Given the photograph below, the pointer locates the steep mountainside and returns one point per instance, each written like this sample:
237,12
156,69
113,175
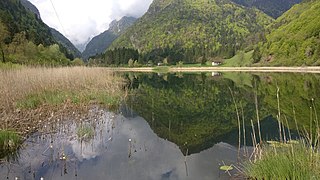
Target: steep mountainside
70,49
195,28
61,39
31,7
294,38
101,42
18,19
25,39
273,8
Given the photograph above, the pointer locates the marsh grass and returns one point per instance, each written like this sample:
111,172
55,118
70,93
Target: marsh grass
287,158
286,161
9,143
30,96
85,132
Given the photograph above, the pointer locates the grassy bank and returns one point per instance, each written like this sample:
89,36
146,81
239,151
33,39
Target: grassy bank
32,97
285,161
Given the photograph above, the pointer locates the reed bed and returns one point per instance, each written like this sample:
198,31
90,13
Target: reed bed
286,158
31,97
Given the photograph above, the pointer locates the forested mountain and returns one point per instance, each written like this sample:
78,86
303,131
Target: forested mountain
294,38
101,42
273,8
17,19
61,39
25,39
192,31
71,50
28,5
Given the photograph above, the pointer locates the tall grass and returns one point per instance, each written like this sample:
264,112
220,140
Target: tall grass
287,158
30,95
286,161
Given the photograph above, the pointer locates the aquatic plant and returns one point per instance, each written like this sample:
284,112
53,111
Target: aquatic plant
285,161
10,142
85,132
287,158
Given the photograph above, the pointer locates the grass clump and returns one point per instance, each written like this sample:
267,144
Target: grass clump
289,161
85,133
10,141
9,66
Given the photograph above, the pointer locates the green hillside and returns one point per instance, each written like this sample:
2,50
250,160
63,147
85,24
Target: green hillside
25,39
192,31
294,39
273,8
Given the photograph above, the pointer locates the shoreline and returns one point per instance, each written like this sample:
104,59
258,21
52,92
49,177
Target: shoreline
315,69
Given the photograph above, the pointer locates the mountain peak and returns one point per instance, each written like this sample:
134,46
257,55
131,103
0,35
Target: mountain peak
100,43
118,26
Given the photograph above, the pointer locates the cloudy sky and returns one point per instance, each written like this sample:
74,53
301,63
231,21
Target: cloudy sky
83,19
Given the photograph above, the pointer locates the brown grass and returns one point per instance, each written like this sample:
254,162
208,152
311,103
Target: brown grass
88,86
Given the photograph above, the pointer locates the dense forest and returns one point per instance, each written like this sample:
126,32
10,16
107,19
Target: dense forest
194,30
294,38
116,57
273,8
25,39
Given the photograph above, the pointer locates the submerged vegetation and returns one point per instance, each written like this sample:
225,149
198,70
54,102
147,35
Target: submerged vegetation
30,96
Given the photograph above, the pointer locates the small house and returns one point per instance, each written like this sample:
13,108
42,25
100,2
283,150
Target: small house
216,63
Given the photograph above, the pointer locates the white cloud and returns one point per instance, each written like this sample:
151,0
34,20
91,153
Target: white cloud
84,19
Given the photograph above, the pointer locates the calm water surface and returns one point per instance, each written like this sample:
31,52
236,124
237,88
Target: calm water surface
177,126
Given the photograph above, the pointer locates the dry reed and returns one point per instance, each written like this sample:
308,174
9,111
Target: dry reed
86,84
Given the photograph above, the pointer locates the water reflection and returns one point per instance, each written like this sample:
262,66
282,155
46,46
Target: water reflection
196,111
175,126
62,155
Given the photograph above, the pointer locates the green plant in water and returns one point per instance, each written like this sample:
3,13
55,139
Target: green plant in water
291,161
85,132
10,142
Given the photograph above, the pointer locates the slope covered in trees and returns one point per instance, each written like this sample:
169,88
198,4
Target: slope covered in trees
101,42
273,8
72,51
191,31
25,39
294,38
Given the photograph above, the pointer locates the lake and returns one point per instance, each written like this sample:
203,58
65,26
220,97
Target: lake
173,126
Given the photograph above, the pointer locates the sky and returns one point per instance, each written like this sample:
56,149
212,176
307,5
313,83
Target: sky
81,20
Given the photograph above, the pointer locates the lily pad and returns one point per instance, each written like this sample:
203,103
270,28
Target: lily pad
226,168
